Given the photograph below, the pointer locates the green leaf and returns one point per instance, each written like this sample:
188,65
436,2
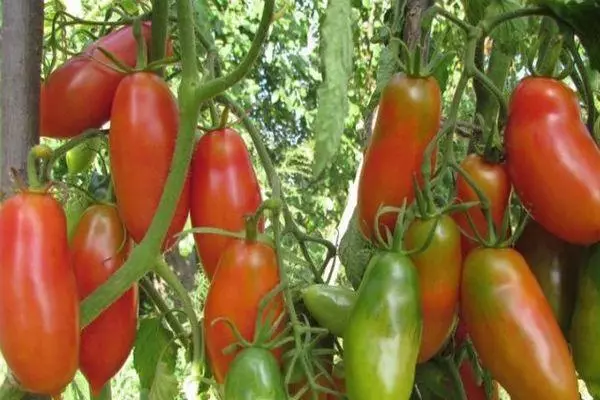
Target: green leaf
165,385
355,251
153,346
336,62
505,34
582,16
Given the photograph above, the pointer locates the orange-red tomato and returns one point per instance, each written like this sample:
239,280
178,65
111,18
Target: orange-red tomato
39,307
439,267
99,248
224,189
493,181
246,273
144,124
408,118
553,160
513,328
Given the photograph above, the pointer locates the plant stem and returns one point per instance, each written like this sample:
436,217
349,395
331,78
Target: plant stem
9,390
164,271
492,23
160,18
456,380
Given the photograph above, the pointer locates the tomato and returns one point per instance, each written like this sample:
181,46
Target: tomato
99,248
408,118
381,342
330,306
512,327
585,326
559,182
74,209
144,124
39,308
81,157
493,181
78,95
224,189
247,272
555,264
474,389
439,267
254,374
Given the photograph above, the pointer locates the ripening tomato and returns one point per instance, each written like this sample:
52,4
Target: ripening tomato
439,267
39,307
408,118
224,189
78,95
512,327
144,124
247,272
553,160
493,181
99,248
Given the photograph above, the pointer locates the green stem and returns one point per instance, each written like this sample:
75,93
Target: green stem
456,379
160,18
587,87
450,17
61,151
80,21
490,24
164,271
142,52
10,391
33,178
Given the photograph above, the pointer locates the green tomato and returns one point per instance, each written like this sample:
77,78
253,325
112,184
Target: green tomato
80,157
254,374
330,306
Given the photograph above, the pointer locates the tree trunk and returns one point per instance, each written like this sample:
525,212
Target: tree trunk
21,42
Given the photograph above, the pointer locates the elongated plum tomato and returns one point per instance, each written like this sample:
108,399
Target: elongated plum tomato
224,189
39,307
247,272
493,181
408,118
553,161
144,123
78,95
99,248
507,317
439,267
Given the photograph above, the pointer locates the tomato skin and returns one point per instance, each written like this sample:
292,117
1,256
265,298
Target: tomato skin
381,342
81,157
585,326
39,308
330,306
247,272
254,374
439,267
507,316
560,184
408,118
99,248
78,95
224,189
556,265
144,118
493,181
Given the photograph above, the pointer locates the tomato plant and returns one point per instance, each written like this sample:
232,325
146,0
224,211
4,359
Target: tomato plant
224,189
492,180
407,119
39,307
144,124
507,317
99,248
544,115
247,272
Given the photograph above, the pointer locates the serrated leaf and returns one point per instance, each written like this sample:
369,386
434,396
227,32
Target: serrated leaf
165,385
153,345
582,16
388,65
336,62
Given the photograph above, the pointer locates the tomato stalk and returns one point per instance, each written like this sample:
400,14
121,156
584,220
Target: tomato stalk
459,388
160,18
142,52
191,95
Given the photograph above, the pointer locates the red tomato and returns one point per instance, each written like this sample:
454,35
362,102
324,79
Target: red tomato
39,308
493,181
224,189
98,249
513,328
144,124
408,118
553,161
247,272
78,95
439,267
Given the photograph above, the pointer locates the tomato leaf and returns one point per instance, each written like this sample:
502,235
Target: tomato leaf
336,64
355,251
153,346
165,385
505,34
582,16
